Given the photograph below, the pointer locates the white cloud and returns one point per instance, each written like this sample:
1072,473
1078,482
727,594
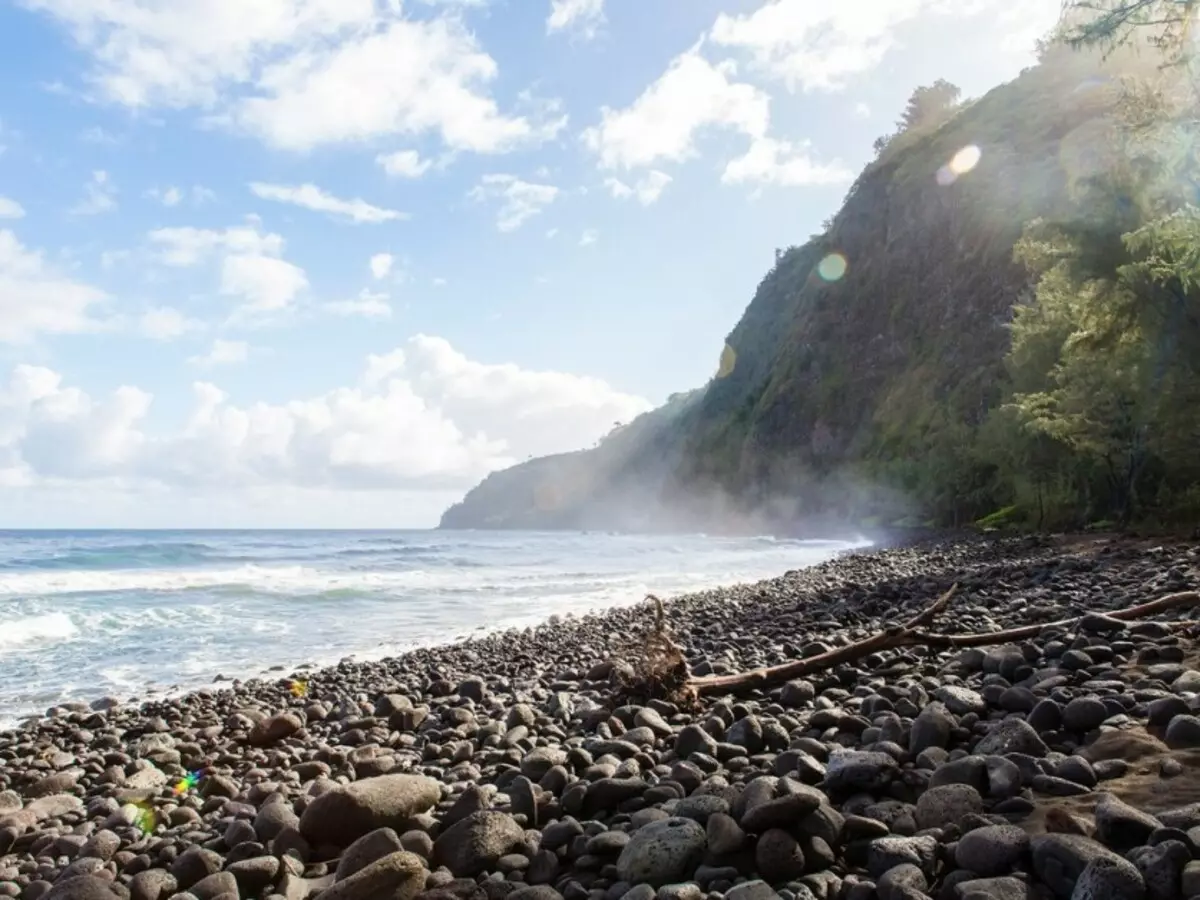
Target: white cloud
662,123
520,200
163,323
299,73
100,196
188,246
404,164
647,189
312,197
10,209
223,353
35,299
97,135
266,284
150,53
439,282
582,17
785,164
822,46
862,110
589,237
368,304
408,78
173,196
250,264
422,417
381,264
169,196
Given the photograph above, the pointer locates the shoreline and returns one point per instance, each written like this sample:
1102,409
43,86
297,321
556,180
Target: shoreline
371,649
500,767
485,642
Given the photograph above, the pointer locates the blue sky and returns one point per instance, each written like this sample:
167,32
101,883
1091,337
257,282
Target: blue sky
328,262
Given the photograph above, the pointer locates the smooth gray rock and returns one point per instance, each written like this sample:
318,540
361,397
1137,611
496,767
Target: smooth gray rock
476,843
344,814
397,876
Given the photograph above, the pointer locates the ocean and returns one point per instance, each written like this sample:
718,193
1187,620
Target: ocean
86,614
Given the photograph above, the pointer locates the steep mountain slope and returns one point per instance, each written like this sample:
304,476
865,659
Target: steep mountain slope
857,376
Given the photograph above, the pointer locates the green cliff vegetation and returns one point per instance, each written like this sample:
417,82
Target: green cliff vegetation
1001,324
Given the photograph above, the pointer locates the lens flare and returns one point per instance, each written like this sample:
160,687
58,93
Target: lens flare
960,164
146,819
832,267
186,783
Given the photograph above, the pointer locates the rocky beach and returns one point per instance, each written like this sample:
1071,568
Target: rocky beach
1065,765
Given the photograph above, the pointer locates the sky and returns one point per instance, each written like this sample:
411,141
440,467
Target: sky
327,263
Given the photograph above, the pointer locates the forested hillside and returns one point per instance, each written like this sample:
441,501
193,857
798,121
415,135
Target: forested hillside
1002,322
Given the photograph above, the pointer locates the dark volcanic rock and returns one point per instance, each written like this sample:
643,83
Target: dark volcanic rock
476,843
344,814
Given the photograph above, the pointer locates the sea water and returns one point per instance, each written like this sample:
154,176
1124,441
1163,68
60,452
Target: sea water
85,614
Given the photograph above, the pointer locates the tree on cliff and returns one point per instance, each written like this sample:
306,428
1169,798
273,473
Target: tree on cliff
1168,25
927,107
930,105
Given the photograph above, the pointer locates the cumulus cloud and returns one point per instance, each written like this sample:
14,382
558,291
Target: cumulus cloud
403,164
663,122
250,264
10,209
309,196
423,416
35,299
646,189
368,305
821,46
100,196
581,17
223,353
173,196
163,323
589,237
302,73
783,164
265,284
519,200
380,265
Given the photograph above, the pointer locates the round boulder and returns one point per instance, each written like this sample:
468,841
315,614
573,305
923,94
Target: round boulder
476,843
345,814
663,852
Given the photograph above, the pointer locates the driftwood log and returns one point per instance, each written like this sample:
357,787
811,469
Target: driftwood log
912,633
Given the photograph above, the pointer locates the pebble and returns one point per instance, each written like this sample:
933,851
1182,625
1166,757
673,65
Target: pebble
509,767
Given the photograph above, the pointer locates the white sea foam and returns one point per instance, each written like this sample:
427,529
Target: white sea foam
38,630
283,580
259,600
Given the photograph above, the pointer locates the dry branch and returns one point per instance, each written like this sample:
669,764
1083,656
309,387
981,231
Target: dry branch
912,634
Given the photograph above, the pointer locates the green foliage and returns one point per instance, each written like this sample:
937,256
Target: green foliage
927,108
1105,362
1007,517
1167,25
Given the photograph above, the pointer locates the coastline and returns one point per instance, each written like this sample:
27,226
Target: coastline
136,616
509,744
